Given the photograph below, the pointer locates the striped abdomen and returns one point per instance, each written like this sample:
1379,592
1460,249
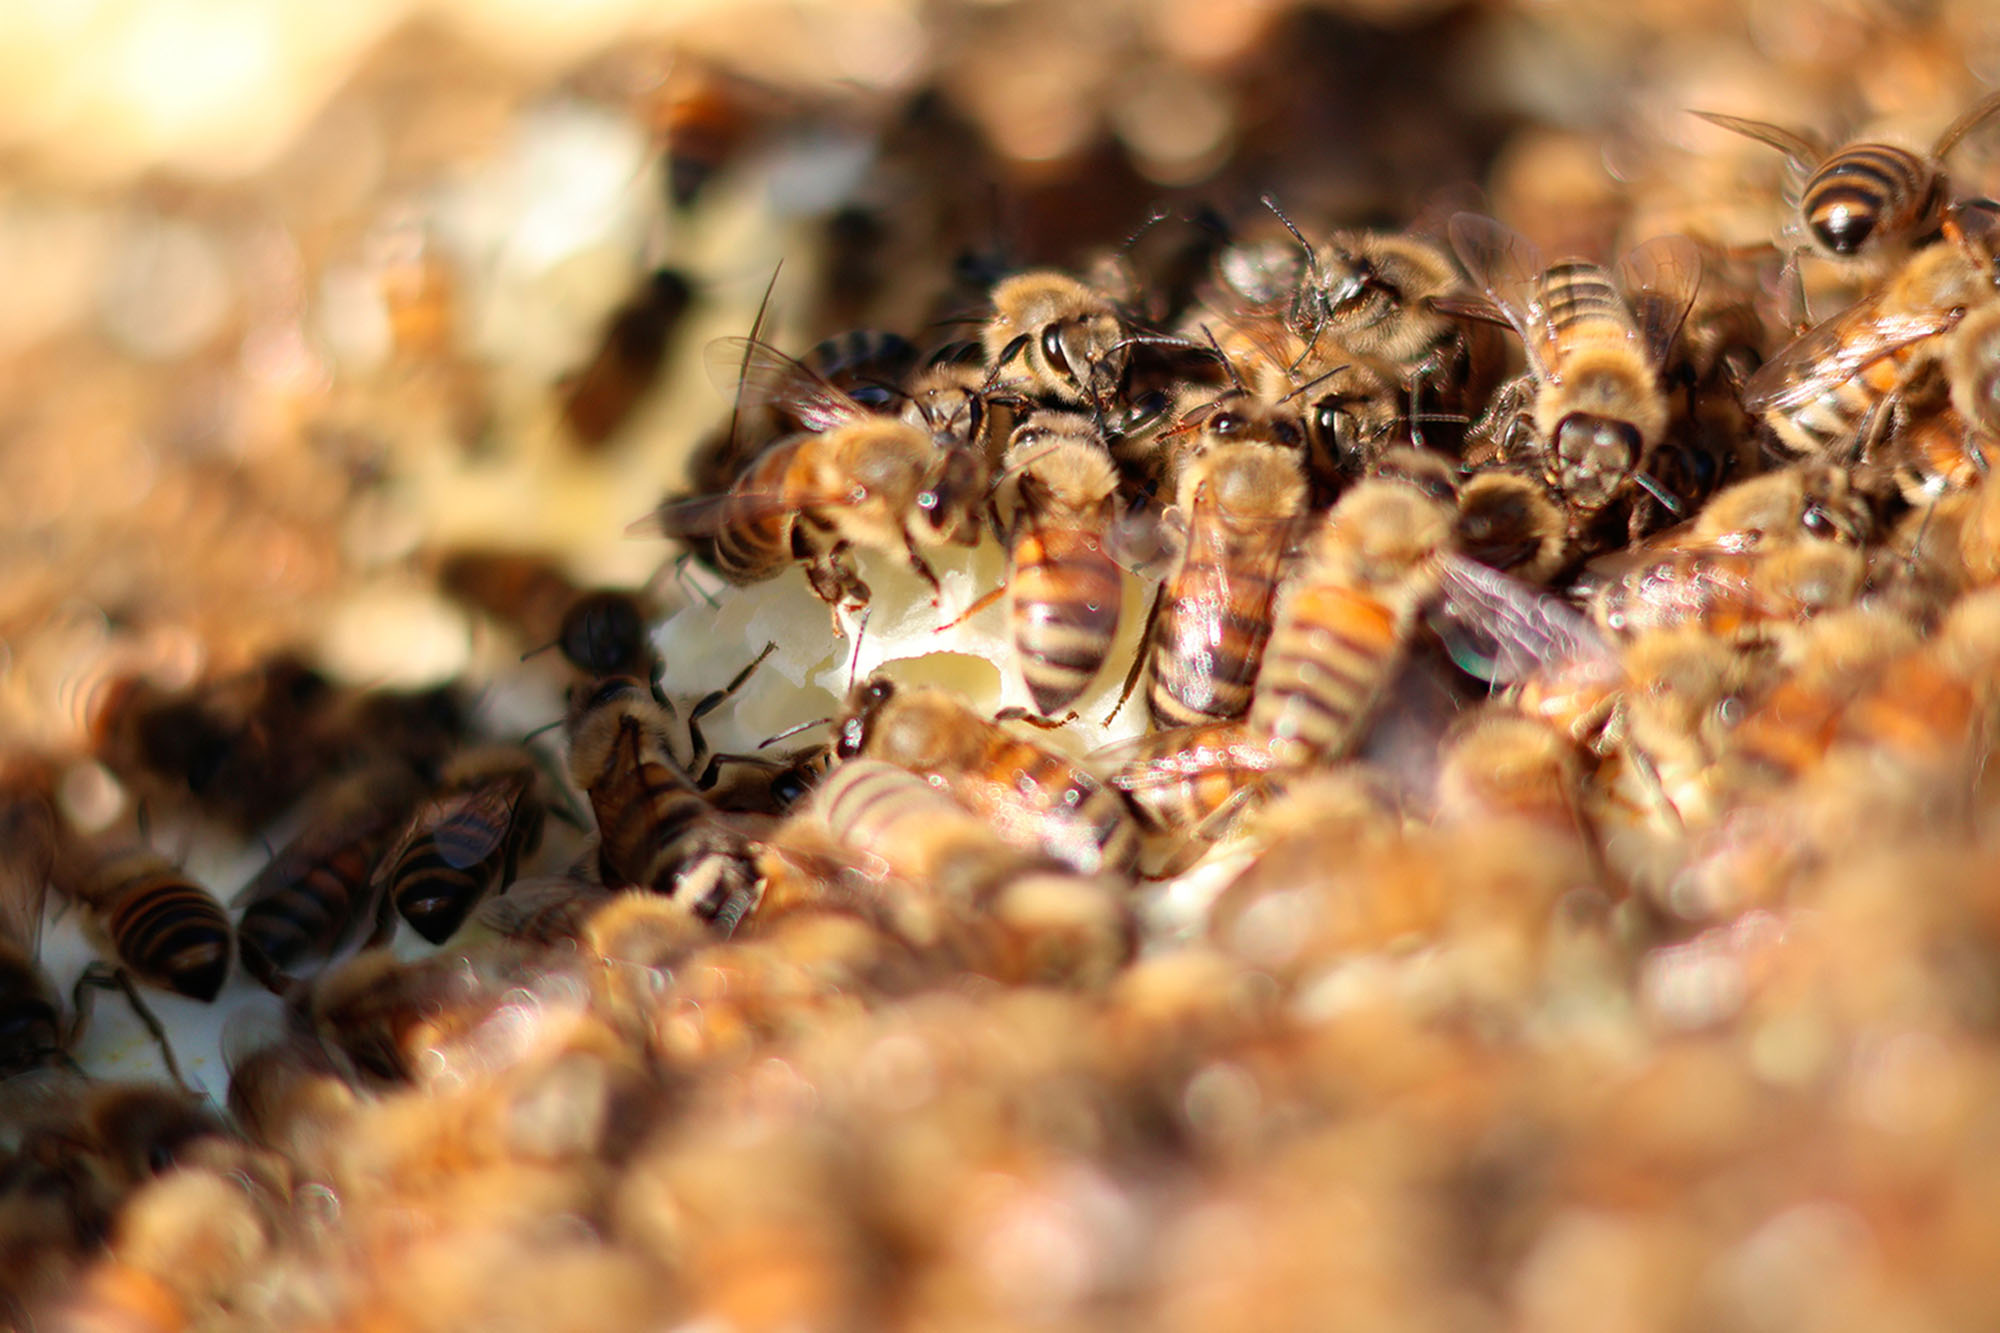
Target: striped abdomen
316,893
164,927
919,833
1209,639
1038,800
1065,596
466,845
643,804
1866,189
753,538
1329,659
1177,779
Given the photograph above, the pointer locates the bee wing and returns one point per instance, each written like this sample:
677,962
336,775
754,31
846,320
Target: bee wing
1502,630
1507,267
1166,758
543,908
1835,351
1660,279
1146,542
706,515
757,374
467,826
1802,148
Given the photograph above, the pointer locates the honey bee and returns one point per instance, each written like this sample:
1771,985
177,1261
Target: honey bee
604,634
1508,520
860,480
158,924
377,1017
1596,408
868,365
1351,407
655,829
1186,778
319,892
465,841
1505,765
1832,391
1065,341
1057,499
1343,623
1055,924
1804,501
1864,200
1972,368
1241,503
1737,595
1031,795
31,1027
599,397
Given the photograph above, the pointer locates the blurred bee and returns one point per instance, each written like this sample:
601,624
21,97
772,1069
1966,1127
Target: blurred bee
318,894
1596,407
1509,521
868,365
1057,508
241,747
1803,501
31,1027
1031,795
528,593
1736,594
1186,778
465,841
1054,924
655,829
378,1018
704,118
1831,393
145,912
862,479
1866,200
599,397
1241,504
1057,339
604,633
1972,368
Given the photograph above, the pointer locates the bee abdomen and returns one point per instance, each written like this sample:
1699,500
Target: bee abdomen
1576,293
1854,192
1205,664
1065,614
1321,675
169,931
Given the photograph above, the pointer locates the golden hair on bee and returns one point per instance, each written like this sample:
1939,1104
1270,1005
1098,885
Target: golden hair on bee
1055,337
1509,521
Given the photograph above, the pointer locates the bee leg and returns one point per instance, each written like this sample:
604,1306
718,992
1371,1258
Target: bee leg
1139,657
969,612
104,976
922,569
1035,719
708,703
854,662
681,579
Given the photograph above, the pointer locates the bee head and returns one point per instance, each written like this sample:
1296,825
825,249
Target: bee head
1592,457
865,706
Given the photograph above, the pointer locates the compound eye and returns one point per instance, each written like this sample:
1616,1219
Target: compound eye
1285,433
852,733
1817,522
1226,423
1055,353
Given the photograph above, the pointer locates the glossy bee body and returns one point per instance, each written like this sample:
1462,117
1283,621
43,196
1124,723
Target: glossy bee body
1595,345
319,893
1865,199
159,924
1734,594
466,840
604,633
1033,796
30,1013
868,365
1829,393
600,397
1054,338
655,829
1241,504
861,479
1058,500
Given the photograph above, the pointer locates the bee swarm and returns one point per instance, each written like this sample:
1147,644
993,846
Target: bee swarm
1241,745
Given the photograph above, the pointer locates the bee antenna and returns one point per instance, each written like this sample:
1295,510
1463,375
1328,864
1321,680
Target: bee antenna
756,333
537,652
1654,489
1227,365
1318,379
1312,263
790,732
1159,214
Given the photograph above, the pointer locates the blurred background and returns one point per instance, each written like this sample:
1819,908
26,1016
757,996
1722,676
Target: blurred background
302,300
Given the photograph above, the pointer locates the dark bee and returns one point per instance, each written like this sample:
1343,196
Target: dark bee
319,892
599,398
159,924
30,1014
466,841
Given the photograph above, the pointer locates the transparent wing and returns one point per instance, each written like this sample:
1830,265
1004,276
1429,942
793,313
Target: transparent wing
1167,758
1508,269
706,515
27,859
1802,148
1833,352
756,374
1660,279
1502,630
543,909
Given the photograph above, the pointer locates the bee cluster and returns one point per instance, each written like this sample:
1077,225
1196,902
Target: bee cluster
1285,773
